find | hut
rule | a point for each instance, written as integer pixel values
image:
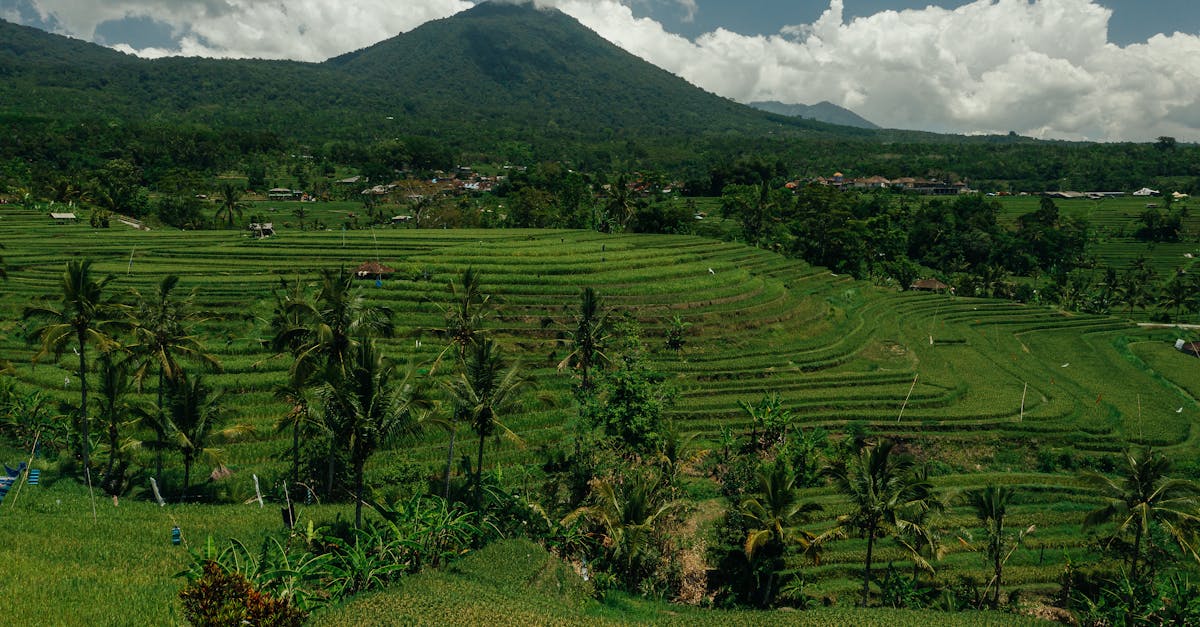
(1188, 348)
(63, 218)
(929, 285)
(374, 270)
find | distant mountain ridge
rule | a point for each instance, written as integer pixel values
(823, 111)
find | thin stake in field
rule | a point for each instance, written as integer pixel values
(1023, 392)
(906, 397)
(129, 268)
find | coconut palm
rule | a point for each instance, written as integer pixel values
(991, 507)
(465, 312)
(483, 391)
(300, 417)
(373, 403)
(321, 333)
(161, 337)
(196, 415)
(85, 315)
(631, 512)
(464, 315)
(115, 391)
(1143, 498)
(774, 515)
(229, 199)
(886, 495)
(589, 337)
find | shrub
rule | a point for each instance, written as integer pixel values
(220, 598)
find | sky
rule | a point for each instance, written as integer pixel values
(1103, 70)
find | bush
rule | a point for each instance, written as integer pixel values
(220, 598)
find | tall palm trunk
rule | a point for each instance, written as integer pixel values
(296, 453)
(162, 432)
(479, 473)
(187, 477)
(450, 461)
(866, 589)
(85, 448)
(358, 493)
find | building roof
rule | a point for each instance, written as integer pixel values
(63, 216)
(372, 268)
(928, 284)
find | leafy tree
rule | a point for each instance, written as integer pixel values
(631, 402)
(85, 315)
(373, 404)
(485, 389)
(886, 495)
(769, 415)
(774, 515)
(161, 336)
(589, 337)
(1144, 498)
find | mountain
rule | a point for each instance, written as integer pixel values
(823, 111)
(491, 75)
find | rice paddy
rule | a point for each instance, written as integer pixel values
(991, 391)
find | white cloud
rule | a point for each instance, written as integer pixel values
(1044, 68)
(306, 30)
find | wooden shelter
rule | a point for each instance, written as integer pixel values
(929, 285)
(374, 270)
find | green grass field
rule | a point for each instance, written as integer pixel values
(1003, 392)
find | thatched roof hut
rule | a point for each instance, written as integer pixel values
(929, 285)
(374, 270)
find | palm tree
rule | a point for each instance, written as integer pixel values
(1144, 498)
(991, 507)
(631, 512)
(86, 315)
(196, 414)
(161, 337)
(483, 391)
(464, 316)
(115, 389)
(774, 514)
(465, 312)
(886, 496)
(589, 337)
(321, 333)
(298, 418)
(230, 203)
(372, 404)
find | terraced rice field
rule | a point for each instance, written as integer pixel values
(996, 383)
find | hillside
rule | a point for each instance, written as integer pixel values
(498, 72)
(823, 111)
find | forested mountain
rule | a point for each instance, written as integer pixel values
(823, 111)
(496, 83)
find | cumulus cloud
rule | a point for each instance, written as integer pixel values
(1043, 68)
(306, 30)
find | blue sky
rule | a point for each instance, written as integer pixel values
(1108, 70)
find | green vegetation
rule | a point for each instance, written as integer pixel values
(786, 368)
